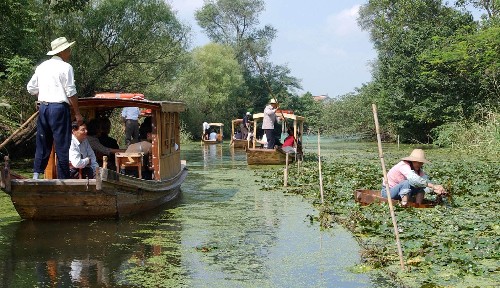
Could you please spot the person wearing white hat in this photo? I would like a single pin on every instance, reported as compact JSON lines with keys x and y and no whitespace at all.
{"x":268,"y":122}
{"x":407,"y":180}
{"x":53,"y":82}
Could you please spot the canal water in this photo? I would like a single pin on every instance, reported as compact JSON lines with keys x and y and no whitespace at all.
{"x":224,"y":231}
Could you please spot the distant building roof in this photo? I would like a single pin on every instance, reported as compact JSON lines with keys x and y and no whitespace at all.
{"x":321,"y":97}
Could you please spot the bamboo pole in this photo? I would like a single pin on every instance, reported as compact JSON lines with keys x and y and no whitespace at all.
{"x":285,"y":180}
{"x":19,"y":129}
{"x":319,"y":169}
{"x":389,"y":200}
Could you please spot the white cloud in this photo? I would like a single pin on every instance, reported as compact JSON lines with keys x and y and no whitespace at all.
{"x":344,"y":23}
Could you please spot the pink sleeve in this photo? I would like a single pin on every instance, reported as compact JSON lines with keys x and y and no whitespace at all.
{"x":405,"y":170}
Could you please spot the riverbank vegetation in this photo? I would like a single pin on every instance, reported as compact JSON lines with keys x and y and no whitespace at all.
{"x":453,"y":245}
{"x":435,"y":74}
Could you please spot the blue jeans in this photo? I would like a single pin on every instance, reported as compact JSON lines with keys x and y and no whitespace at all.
{"x":402,"y":189}
{"x":53,"y":127}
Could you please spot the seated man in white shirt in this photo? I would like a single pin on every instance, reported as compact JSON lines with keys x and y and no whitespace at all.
{"x":81,"y":156}
{"x":213,"y":135}
{"x":93,"y":132}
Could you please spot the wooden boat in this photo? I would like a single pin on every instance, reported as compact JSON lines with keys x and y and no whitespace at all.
{"x":237,"y":143}
{"x":218,"y":127}
{"x":111,"y":194}
{"x":262,"y":156}
{"x":365,"y":197}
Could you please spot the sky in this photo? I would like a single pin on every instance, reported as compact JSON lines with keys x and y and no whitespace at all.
{"x":319,"y":40}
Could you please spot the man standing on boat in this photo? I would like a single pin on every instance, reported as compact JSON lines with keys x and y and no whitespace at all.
{"x":245,"y":126}
{"x":268,"y":122}
{"x":54,"y":84}
{"x":130,"y":117}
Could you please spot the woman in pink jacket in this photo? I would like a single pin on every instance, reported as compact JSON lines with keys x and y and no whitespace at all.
{"x":408,"y":181}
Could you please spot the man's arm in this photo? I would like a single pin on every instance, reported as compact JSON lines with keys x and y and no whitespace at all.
{"x":73,"y":100}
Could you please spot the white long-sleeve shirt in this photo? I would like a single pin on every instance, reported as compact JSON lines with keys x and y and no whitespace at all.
{"x":53,"y":81}
{"x":269,"y":117}
{"x":81,"y":154}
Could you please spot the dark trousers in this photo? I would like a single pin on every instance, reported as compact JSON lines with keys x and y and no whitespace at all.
{"x":53,"y":126}
{"x":131,"y":131}
{"x":244,"y":132}
{"x":270,"y":138}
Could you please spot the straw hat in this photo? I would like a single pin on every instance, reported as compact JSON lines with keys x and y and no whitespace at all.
{"x":417,"y":155}
{"x":59,"y":45}
{"x":273,"y":101}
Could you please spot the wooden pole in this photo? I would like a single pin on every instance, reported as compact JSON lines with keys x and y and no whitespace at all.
{"x":285,"y":180}
{"x":389,"y":200}
{"x":319,"y":169}
{"x":19,"y":129}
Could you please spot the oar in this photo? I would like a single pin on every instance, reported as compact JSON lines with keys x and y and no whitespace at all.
{"x":386,"y":183}
{"x":18,"y":130}
{"x":261,"y":72}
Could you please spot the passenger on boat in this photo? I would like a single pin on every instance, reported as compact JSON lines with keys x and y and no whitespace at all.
{"x":289,"y":140}
{"x":263,"y":141}
{"x":407,"y":180}
{"x":213,"y":135}
{"x":53,"y":82}
{"x":93,"y":132}
{"x":130,"y":116}
{"x":104,"y":138}
{"x":206,"y":130}
{"x":245,"y":125}
{"x":250,"y":136}
{"x":81,"y":156}
{"x":145,"y":128}
{"x":144,"y":147}
{"x":268,"y":122}
{"x":237,"y":135}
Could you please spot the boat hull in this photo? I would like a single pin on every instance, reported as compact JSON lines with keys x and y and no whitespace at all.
{"x":365,"y":197}
{"x":261,"y":156}
{"x":113,"y":196}
{"x":239,"y":143}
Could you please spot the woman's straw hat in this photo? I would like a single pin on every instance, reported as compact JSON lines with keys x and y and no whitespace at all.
{"x":273,"y":101}
{"x":59,"y":45}
{"x":417,"y":155}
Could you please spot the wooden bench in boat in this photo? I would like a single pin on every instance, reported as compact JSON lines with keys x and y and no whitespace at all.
{"x":126,"y":160}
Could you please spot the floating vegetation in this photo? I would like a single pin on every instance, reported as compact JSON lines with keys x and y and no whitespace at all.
{"x":453,"y":245}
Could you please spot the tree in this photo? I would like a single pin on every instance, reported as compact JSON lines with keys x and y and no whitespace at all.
{"x":124,"y":45}
{"x":464,"y":65}
{"x":121,"y":45}
{"x":235,"y":23}
{"x":401,"y":31}
{"x":211,"y":86}
{"x":492,"y":7}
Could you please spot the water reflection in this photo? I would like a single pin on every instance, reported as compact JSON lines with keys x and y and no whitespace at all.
{"x":223,"y":232}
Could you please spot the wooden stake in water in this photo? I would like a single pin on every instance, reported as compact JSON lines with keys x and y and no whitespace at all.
{"x":285,"y":180}
{"x":391,"y":208}
{"x":319,"y":169}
